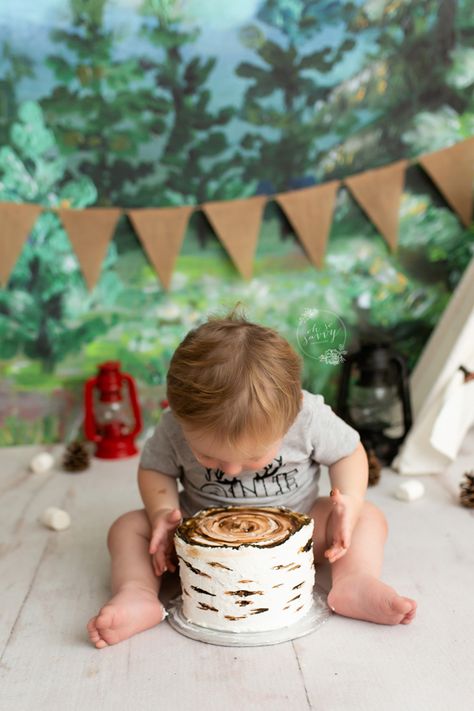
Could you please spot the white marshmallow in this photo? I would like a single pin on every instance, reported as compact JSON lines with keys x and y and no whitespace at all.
{"x":54,"y":518}
{"x":42,"y":462}
{"x":409,"y":490}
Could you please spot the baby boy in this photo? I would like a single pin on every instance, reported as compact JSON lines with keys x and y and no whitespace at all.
{"x":241,"y":431}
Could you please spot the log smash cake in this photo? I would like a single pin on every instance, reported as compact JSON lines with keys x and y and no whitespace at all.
{"x":246,"y":569}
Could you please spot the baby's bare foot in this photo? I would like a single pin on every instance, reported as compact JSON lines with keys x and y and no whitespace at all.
{"x":364,"y":597}
{"x":131,"y":610}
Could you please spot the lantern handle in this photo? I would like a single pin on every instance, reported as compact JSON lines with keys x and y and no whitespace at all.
{"x":403,"y":391}
{"x":135,"y":405}
{"x":89,"y":421}
{"x":341,"y":405}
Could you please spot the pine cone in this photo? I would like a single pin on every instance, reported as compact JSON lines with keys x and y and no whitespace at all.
{"x":76,"y":457}
{"x":375,"y":468}
{"x":466,"y":497}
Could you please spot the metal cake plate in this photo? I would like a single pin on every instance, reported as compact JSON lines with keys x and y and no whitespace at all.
{"x":314,"y":618}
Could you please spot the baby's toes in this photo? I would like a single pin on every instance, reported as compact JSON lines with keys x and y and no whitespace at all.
{"x":105,"y":624}
{"x":94,"y":634}
{"x":105,"y":618}
{"x":410,"y":614}
{"x":92,"y":629}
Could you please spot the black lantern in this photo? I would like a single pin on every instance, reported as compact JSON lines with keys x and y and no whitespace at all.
{"x":374,"y":398}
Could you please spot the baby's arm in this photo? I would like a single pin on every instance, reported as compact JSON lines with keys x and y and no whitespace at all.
{"x":158,"y":491}
{"x":349,"y":477}
{"x":160,"y":496}
{"x":351,"y":474}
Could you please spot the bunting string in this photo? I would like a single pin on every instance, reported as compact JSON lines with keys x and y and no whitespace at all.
{"x":237,"y":223}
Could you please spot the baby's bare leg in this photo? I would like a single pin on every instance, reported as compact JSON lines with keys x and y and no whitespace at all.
{"x":356,"y":589}
{"x":134,"y":606}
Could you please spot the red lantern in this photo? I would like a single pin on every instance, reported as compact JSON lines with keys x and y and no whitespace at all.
{"x":112,"y":413}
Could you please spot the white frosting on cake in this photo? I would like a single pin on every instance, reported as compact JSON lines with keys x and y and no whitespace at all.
{"x":234,"y":585}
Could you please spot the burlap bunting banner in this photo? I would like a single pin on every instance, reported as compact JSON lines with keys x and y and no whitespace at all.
{"x":237,"y":224}
{"x":310,"y":213}
{"x":161,"y":231}
{"x":16,"y":222}
{"x":90,"y":232}
{"x":452,"y":171}
{"x":378,"y":192}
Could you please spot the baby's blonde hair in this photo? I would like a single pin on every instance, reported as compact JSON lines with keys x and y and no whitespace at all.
{"x":235,"y":380}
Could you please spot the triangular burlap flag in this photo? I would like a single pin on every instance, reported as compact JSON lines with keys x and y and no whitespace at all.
{"x":378,"y":192}
{"x":161,"y":231}
{"x":310,"y":213}
{"x":90,"y":232}
{"x":16,"y":222}
{"x":452,"y":171}
{"x":237,"y":224}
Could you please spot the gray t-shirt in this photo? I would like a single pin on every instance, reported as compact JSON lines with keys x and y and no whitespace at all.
{"x":317,"y":436}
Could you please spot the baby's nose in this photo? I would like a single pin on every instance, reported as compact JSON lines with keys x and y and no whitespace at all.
{"x":231,"y":469}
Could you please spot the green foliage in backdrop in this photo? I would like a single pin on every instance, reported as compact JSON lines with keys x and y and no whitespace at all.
{"x":162,"y":104}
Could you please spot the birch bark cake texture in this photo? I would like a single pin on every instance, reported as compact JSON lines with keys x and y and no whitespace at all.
{"x":246,"y":569}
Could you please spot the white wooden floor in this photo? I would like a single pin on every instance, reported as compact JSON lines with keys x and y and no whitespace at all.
{"x":53,"y":582}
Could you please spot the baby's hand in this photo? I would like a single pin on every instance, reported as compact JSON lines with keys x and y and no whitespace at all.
{"x":161,"y":544}
{"x":344,"y":516}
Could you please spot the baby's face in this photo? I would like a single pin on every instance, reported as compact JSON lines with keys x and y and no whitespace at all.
{"x":231,"y":461}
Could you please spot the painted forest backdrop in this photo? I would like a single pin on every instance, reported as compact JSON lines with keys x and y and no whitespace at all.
{"x":178,"y":102}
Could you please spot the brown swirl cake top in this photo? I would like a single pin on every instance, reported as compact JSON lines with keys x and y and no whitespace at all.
{"x":233,"y":526}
